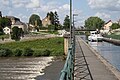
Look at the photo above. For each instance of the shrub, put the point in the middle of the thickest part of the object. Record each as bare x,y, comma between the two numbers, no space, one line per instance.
28,52
45,52
57,53
37,53
18,52
59,42
4,52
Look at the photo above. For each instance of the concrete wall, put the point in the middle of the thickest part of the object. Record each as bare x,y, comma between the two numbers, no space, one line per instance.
65,46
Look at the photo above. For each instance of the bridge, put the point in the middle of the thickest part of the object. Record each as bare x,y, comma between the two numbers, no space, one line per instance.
83,63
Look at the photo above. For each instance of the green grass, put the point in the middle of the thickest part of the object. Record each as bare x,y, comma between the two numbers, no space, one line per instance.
113,36
50,32
54,45
4,36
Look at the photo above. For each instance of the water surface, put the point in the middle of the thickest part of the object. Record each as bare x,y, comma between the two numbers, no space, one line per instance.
22,68
109,51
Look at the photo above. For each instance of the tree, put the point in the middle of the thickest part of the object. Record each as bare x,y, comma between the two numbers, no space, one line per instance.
16,33
66,23
51,14
1,31
51,27
93,23
56,20
0,14
35,20
5,22
115,26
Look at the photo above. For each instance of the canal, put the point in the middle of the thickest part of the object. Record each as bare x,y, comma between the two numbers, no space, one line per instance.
109,51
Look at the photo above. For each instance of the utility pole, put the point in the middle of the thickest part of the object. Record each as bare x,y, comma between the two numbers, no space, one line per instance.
70,21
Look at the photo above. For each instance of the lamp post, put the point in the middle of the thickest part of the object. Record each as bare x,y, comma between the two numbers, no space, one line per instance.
70,21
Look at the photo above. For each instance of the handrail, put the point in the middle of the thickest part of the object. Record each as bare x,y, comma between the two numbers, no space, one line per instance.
68,70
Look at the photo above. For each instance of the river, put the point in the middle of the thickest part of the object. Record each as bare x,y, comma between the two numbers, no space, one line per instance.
109,51
23,68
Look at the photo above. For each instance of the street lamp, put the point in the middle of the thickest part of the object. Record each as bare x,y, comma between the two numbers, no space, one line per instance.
70,21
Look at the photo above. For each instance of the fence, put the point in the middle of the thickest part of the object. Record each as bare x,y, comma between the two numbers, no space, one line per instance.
68,71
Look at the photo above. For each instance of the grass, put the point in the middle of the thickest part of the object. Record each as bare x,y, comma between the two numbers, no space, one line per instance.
4,36
54,45
113,36
50,32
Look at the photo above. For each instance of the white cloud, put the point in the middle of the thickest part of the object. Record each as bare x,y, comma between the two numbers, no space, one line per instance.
65,7
10,13
13,3
22,17
5,2
103,15
33,4
18,3
105,4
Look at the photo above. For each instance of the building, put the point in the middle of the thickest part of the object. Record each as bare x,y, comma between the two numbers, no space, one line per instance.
13,19
32,28
7,30
20,24
46,21
106,27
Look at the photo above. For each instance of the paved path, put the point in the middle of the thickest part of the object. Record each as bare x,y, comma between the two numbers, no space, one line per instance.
98,70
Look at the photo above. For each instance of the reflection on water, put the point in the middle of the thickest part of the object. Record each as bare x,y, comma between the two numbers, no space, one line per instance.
22,68
108,51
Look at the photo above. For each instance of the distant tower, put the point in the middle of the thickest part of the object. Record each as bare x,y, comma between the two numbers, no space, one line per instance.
0,14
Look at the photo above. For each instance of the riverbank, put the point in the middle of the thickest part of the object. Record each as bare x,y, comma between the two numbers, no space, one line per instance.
113,41
37,47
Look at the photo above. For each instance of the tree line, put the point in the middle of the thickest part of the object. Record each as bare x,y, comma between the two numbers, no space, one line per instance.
54,18
93,23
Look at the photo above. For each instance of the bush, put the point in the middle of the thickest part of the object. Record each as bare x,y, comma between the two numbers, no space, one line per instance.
4,52
37,53
18,52
57,53
45,52
28,52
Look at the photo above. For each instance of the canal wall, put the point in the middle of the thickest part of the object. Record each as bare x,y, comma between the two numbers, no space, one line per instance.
113,41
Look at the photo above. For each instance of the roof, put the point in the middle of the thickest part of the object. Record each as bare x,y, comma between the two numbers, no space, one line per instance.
12,17
19,23
108,21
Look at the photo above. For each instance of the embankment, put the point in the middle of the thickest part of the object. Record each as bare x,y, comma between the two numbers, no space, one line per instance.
113,41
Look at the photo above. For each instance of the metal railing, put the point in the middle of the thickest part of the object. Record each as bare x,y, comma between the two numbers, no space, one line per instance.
68,71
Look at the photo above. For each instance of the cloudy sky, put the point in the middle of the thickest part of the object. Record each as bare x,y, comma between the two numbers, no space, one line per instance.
105,9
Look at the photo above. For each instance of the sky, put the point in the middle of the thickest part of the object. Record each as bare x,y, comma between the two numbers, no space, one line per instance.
23,9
